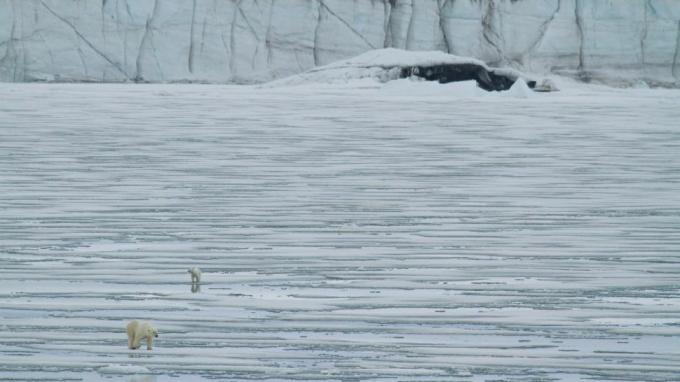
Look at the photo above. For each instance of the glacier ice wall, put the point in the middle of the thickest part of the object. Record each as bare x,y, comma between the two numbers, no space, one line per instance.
249,40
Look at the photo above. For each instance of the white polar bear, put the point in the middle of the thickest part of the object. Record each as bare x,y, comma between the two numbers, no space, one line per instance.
195,275
139,330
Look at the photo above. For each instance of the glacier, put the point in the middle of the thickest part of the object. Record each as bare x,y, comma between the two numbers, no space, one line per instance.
230,41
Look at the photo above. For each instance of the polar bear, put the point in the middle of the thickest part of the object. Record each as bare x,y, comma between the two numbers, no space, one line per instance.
139,330
195,275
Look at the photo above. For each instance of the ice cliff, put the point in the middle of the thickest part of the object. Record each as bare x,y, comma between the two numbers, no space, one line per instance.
258,40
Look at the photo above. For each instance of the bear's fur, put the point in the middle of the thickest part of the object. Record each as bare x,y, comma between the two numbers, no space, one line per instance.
139,330
195,275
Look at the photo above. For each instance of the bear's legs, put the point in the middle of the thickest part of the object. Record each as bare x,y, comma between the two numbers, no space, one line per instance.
136,342
149,342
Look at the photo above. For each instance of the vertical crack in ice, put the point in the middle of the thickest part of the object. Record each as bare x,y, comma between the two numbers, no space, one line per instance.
225,45
676,57
83,61
85,40
49,51
543,28
232,39
579,30
251,29
118,17
442,24
190,61
348,25
488,32
643,35
9,48
300,67
315,48
119,23
144,42
203,34
227,54
102,18
22,40
9,42
387,14
409,31
267,35
248,24
128,10
389,36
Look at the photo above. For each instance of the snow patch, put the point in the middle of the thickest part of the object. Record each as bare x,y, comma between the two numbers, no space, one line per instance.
519,89
383,65
391,57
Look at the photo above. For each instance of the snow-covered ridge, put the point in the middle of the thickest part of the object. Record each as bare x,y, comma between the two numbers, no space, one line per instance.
252,41
388,58
381,65
390,64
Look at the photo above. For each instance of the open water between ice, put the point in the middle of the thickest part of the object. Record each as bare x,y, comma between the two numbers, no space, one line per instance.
343,233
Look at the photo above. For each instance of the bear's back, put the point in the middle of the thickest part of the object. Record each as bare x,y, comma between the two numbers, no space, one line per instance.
132,326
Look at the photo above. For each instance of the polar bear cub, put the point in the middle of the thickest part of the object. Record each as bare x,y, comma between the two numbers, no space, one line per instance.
139,330
195,275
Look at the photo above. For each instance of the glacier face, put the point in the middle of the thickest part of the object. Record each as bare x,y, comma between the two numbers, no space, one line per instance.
251,41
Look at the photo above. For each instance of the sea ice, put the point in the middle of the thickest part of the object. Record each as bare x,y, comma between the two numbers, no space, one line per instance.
400,231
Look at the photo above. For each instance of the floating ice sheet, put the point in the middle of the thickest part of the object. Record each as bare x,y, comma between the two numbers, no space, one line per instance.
368,232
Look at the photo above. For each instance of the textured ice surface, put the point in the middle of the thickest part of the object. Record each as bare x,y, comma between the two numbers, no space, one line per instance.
249,40
405,231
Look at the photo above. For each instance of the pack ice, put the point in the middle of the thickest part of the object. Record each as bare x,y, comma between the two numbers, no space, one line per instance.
362,230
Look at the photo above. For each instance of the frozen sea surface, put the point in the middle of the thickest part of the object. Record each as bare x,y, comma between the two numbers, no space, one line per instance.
364,232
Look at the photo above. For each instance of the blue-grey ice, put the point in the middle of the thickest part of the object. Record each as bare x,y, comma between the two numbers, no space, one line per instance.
372,232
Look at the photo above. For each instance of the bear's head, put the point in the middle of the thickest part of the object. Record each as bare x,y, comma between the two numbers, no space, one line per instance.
151,331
